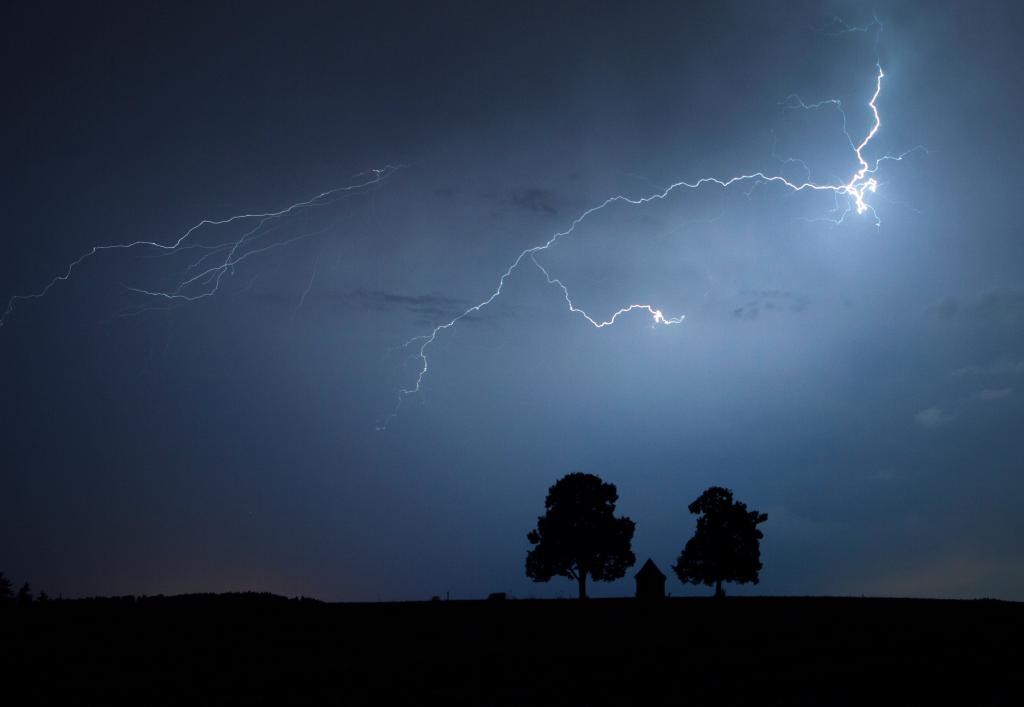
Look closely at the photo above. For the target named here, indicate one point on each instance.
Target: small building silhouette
(650, 582)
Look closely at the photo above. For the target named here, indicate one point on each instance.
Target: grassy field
(250, 649)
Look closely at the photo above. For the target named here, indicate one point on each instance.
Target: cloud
(946, 308)
(770, 301)
(1004, 303)
(535, 199)
(431, 307)
(999, 303)
(932, 418)
(1000, 367)
(993, 393)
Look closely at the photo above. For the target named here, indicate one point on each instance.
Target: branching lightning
(224, 256)
(854, 192)
(203, 276)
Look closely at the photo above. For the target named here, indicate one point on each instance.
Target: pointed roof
(649, 569)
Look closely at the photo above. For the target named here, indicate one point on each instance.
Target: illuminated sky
(861, 382)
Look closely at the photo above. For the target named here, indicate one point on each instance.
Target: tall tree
(6, 590)
(726, 546)
(579, 535)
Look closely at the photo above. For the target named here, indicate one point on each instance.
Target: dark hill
(260, 648)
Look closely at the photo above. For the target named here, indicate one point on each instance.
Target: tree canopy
(726, 545)
(579, 535)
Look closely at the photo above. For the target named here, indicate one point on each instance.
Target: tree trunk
(719, 592)
(582, 578)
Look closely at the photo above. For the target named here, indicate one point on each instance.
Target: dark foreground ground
(752, 651)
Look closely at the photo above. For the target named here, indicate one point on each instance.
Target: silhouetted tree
(579, 534)
(25, 595)
(6, 591)
(726, 546)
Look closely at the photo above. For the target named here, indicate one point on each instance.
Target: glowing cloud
(855, 191)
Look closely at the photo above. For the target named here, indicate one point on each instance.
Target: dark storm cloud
(228, 445)
(770, 301)
(535, 200)
(431, 307)
(1001, 303)
(998, 304)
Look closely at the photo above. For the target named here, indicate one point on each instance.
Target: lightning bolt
(854, 191)
(202, 277)
(837, 25)
(207, 280)
(309, 285)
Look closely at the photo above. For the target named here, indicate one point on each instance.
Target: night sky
(862, 383)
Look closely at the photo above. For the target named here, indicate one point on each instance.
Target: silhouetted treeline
(233, 599)
(25, 597)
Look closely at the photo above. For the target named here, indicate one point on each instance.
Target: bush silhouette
(6, 591)
(579, 534)
(726, 546)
